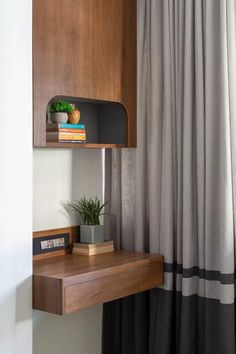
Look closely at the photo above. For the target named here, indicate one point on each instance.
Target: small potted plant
(90, 210)
(59, 111)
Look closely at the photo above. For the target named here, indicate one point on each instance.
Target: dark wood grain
(85, 281)
(129, 74)
(83, 146)
(72, 230)
(53, 294)
(84, 49)
(48, 255)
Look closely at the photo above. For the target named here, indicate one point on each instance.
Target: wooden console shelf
(65, 284)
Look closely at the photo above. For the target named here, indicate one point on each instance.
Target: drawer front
(118, 284)
(47, 295)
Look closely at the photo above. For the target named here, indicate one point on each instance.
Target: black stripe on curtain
(201, 273)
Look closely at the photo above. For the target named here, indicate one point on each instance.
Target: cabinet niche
(105, 121)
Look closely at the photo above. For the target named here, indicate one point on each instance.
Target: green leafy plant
(61, 106)
(89, 209)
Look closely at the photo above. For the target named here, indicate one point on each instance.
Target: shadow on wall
(86, 173)
(78, 333)
(16, 316)
(18, 302)
(23, 292)
(62, 175)
(86, 180)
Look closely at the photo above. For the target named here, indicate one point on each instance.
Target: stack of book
(66, 133)
(90, 249)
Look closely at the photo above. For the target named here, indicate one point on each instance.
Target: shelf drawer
(66, 284)
(126, 281)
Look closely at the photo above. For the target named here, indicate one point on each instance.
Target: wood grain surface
(84, 49)
(80, 281)
(83, 146)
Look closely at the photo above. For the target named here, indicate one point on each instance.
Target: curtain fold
(175, 194)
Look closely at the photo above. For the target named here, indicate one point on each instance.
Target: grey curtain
(175, 193)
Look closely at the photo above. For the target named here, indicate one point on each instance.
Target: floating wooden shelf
(67, 283)
(83, 146)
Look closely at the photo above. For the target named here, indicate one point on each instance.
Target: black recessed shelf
(105, 123)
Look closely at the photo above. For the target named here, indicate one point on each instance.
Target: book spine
(65, 130)
(65, 125)
(106, 248)
(89, 246)
(90, 252)
(71, 141)
(71, 126)
(53, 139)
(71, 137)
(66, 136)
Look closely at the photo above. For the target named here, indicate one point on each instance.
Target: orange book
(66, 136)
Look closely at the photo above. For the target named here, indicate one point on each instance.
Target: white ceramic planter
(59, 117)
(91, 233)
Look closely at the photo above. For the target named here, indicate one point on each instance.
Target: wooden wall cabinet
(86, 50)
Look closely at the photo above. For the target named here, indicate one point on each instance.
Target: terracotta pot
(74, 116)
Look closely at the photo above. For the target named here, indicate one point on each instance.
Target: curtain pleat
(175, 193)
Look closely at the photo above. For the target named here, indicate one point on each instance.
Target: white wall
(62, 175)
(15, 177)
